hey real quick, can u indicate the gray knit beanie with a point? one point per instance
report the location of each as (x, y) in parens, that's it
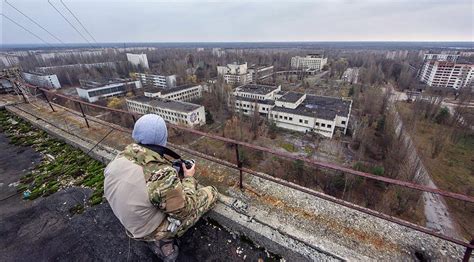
(150, 129)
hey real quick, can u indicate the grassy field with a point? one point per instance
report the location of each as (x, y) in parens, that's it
(452, 169)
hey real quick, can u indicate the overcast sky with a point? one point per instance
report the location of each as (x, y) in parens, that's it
(258, 20)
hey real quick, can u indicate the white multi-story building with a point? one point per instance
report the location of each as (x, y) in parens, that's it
(260, 73)
(138, 59)
(42, 80)
(182, 93)
(451, 57)
(311, 61)
(157, 80)
(295, 111)
(94, 91)
(235, 73)
(446, 74)
(175, 112)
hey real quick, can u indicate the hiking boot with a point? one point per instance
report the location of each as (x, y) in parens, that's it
(166, 249)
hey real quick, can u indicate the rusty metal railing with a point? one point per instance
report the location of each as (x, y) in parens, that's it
(239, 166)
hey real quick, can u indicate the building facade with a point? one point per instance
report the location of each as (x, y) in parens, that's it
(235, 73)
(295, 111)
(311, 61)
(446, 74)
(175, 112)
(138, 59)
(450, 57)
(156, 80)
(182, 93)
(42, 80)
(261, 72)
(94, 91)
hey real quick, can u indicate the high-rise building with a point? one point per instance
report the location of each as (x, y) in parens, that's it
(311, 61)
(138, 59)
(42, 80)
(446, 74)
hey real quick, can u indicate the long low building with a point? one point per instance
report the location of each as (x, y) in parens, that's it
(295, 111)
(175, 112)
(94, 91)
(182, 93)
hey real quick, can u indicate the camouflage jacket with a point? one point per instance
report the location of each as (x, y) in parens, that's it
(166, 191)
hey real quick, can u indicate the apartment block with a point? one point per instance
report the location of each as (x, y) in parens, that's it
(94, 91)
(446, 74)
(162, 81)
(42, 80)
(138, 59)
(260, 72)
(311, 61)
(235, 73)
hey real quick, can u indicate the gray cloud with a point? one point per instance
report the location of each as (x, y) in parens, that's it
(162, 21)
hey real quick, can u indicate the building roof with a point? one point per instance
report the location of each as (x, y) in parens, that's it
(256, 89)
(320, 107)
(91, 84)
(178, 88)
(166, 103)
(291, 97)
(267, 101)
(165, 91)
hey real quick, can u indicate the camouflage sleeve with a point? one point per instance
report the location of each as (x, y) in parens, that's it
(176, 198)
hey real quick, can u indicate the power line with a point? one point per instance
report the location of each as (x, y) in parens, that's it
(77, 19)
(59, 12)
(36, 23)
(24, 28)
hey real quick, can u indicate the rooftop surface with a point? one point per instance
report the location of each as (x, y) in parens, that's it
(291, 97)
(267, 101)
(165, 91)
(165, 103)
(256, 89)
(91, 84)
(50, 231)
(319, 106)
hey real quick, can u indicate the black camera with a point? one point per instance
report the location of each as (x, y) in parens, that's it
(177, 164)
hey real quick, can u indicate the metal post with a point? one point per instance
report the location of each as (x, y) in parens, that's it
(84, 115)
(47, 99)
(468, 252)
(239, 165)
(133, 118)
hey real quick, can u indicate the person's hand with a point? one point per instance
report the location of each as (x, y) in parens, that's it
(188, 172)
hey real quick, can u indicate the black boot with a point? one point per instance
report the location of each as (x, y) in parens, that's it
(166, 249)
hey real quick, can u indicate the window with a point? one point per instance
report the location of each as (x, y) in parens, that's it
(301, 120)
(343, 122)
(306, 121)
(317, 124)
(323, 125)
(286, 118)
(291, 118)
(329, 126)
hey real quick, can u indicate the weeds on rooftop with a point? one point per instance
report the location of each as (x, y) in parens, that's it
(61, 166)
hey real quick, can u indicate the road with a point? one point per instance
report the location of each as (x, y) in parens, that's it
(436, 211)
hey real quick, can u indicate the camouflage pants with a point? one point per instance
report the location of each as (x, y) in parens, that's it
(206, 199)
